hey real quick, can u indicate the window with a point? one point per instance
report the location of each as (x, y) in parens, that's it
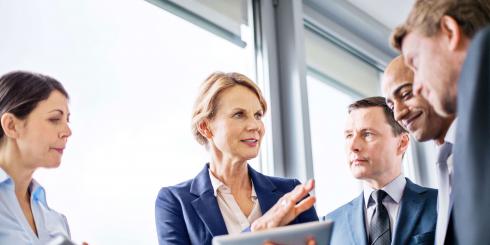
(132, 71)
(335, 78)
(335, 185)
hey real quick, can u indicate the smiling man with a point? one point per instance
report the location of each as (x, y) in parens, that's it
(418, 116)
(412, 112)
(391, 209)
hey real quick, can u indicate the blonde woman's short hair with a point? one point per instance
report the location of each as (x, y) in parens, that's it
(425, 16)
(206, 103)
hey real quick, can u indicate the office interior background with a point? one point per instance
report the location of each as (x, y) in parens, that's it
(133, 67)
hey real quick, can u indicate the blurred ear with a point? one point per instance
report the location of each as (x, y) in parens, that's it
(204, 129)
(451, 30)
(403, 143)
(10, 125)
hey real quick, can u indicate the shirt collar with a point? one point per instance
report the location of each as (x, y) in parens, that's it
(394, 189)
(37, 191)
(217, 184)
(451, 132)
(3, 176)
(450, 137)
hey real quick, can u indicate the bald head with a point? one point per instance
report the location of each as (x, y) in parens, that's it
(397, 70)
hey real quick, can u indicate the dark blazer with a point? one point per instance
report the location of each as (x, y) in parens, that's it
(471, 189)
(188, 213)
(417, 219)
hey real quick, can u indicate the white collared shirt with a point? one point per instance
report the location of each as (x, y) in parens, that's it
(394, 189)
(14, 227)
(443, 215)
(233, 216)
(450, 137)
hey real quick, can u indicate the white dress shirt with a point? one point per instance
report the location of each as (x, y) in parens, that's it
(450, 137)
(444, 208)
(233, 216)
(394, 189)
(14, 227)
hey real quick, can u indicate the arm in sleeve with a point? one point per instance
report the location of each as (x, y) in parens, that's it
(171, 227)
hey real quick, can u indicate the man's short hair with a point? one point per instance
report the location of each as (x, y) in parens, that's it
(425, 16)
(379, 101)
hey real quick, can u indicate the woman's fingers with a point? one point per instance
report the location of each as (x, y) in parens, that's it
(287, 208)
(305, 204)
(300, 191)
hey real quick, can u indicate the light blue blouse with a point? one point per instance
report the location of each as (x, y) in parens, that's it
(14, 228)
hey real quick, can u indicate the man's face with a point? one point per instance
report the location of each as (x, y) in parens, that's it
(411, 111)
(435, 76)
(373, 151)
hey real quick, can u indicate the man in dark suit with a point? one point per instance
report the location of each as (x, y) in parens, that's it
(435, 40)
(420, 119)
(391, 209)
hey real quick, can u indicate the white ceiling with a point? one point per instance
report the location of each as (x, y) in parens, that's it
(390, 13)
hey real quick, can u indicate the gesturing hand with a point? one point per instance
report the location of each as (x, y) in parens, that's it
(287, 208)
(309, 241)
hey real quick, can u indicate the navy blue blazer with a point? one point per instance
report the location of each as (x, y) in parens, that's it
(188, 213)
(416, 219)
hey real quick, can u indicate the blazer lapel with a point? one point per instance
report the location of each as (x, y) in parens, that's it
(206, 205)
(410, 209)
(266, 191)
(356, 221)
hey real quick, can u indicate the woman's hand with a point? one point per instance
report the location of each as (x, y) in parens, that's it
(309, 241)
(286, 209)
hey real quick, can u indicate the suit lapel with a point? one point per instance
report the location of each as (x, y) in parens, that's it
(266, 191)
(410, 210)
(356, 221)
(206, 205)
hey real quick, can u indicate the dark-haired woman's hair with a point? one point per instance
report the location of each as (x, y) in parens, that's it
(21, 91)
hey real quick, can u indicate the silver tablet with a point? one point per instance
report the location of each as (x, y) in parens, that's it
(288, 235)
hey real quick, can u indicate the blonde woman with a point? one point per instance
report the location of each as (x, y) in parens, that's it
(228, 196)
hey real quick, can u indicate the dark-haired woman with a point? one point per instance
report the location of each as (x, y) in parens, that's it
(34, 132)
